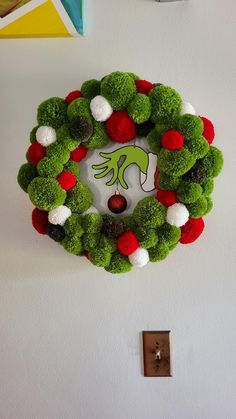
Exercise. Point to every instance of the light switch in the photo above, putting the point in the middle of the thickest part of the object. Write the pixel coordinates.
(157, 354)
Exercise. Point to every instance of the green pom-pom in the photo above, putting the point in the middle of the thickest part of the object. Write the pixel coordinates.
(189, 192)
(207, 186)
(209, 205)
(119, 89)
(168, 234)
(166, 104)
(162, 127)
(158, 252)
(139, 108)
(65, 138)
(99, 138)
(73, 167)
(90, 241)
(73, 244)
(198, 208)
(133, 76)
(147, 237)
(91, 88)
(81, 128)
(199, 147)
(175, 163)
(33, 134)
(107, 243)
(79, 198)
(154, 141)
(213, 161)
(119, 264)
(149, 213)
(26, 174)
(191, 126)
(129, 223)
(73, 225)
(46, 193)
(100, 257)
(58, 152)
(49, 167)
(92, 223)
(52, 112)
(79, 107)
(168, 182)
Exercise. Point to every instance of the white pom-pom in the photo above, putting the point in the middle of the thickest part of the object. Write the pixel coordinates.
(59, 215)
(100, 108)
(177, 215)
(46, 135)
(139, 258)
(91, 210)
(187, 108)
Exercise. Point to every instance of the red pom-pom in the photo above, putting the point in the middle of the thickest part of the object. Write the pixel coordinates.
(172, 140)
(166, 198)
(73, 95)
(66, 180)
(156, 176)
(120, 127)
(127, 243)
(79, 153)
(191, 230)
(36, 152)
(40, 220)
(208, 132)
(144, 86)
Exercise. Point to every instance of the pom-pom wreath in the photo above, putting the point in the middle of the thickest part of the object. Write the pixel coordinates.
(144, 86)
(36, 152)
(191, 230)
(67, 180)
(72, 96)
(172, 140)
(40, 220)
(59, 215)
(79, 153)
(55, 232)
(46, 135)
(187, 108)
(100, 108)
(208, 130)
(119, 89)
(127, 243)
(166, 198)
(120, 127)
(177, 215)
(121, 108)
(139, 258)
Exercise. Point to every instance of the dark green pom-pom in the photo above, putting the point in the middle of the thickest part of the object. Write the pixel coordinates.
(175, 163)
(139, 108)
(207, 186)
(46, 193)
(91, 240)
(73, 225)
(119, 89)
(147, 237)
(33, 134)
(168, 234)
(64, 137)
(149, 213)
(166, 104)
(158, 252)
(119, 264)
(73, 167)
(168, 182)
(79, 107)
(79, 198)
(52, 112)
(191, 126)
(154, 141)
(81, 128)
(55, 232)
(189, 192)
(199, 147)
(198, 208)
(90, 88)
(26, 174)
(99, 138)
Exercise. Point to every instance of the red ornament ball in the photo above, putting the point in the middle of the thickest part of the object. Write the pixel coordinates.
(36, 152)
(120, 127)
(40, 220)
(66, 180)
(117, 203)
(73, 95)
(166, 198)
(127, 243)
(79, 153)
(144, 86)
(172, 140)
(208, 131)
(191, 230)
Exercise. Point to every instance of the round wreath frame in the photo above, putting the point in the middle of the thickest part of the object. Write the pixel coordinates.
(118, 108)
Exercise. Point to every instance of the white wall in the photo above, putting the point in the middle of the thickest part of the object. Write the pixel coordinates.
(69, 332)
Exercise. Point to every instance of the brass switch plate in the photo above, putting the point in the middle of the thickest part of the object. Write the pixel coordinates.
(156, 354)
